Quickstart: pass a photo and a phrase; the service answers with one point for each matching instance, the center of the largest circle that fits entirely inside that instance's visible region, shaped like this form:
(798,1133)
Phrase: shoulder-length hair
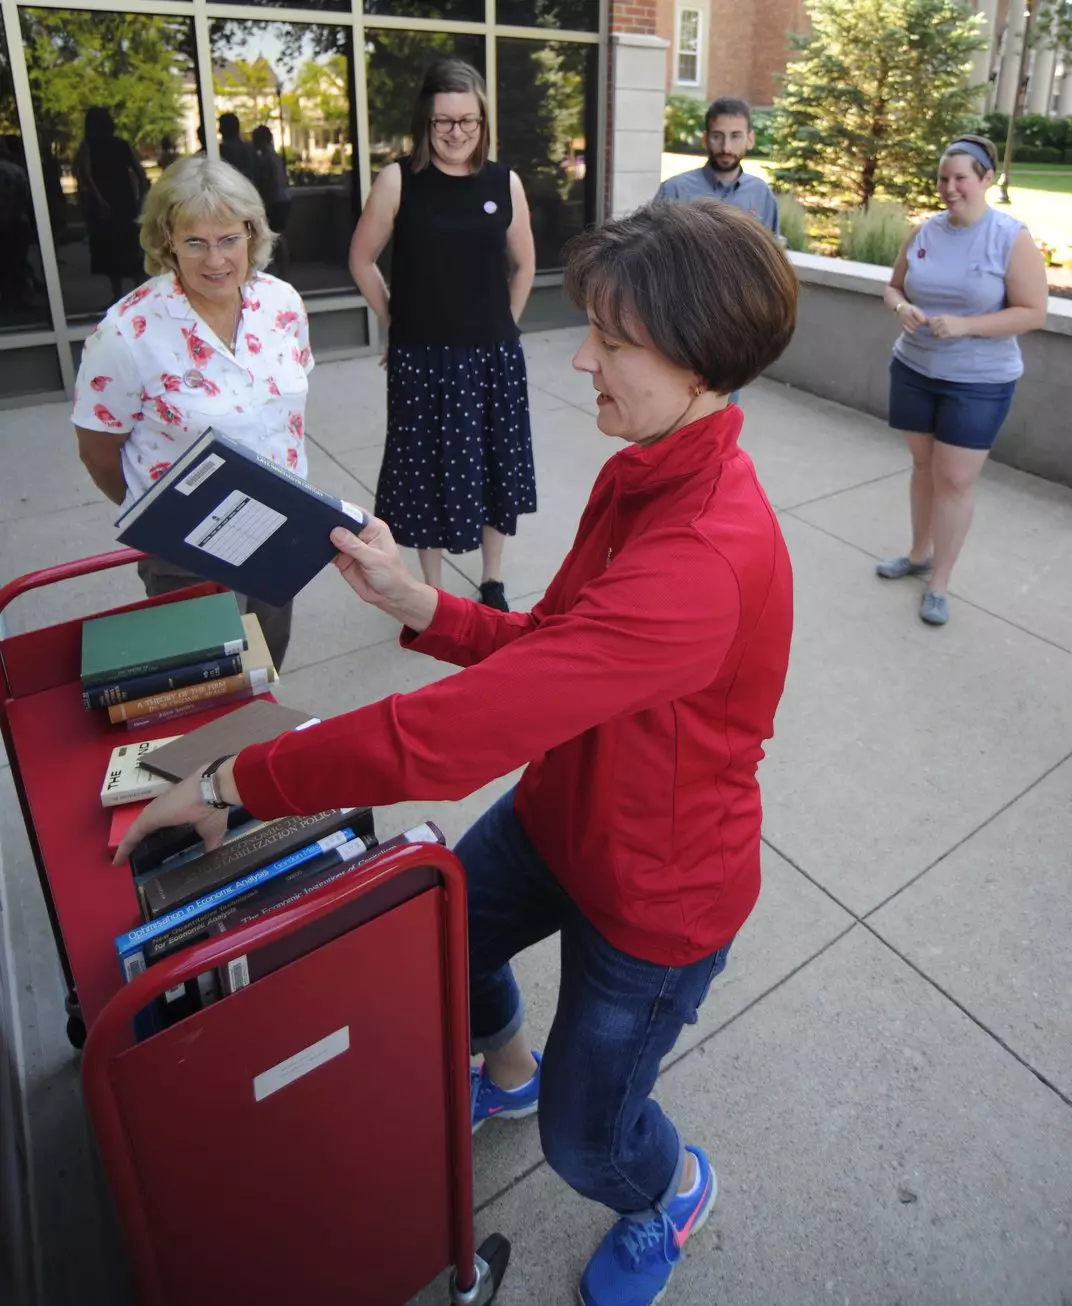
(702,282)
(196,187)
(448,77)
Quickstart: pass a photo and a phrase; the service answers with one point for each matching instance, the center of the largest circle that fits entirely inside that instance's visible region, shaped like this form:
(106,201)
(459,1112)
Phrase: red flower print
(135,297)
(103,415)
(198,350)
(301,356)
(296,426)
(252,304)
(167,412)
(210,388)
(284,318)
(138,323)
(252,343)
(176,287)
(292,459)
(157,470)
(273,389)
(138,417)
(99,382)
(171,381)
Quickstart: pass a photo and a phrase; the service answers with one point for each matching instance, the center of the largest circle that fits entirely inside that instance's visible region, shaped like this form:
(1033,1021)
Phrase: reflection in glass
(560,15)
(115,97)
(23,301)
(396,64)
(284,95)
(547,115)
(469,11)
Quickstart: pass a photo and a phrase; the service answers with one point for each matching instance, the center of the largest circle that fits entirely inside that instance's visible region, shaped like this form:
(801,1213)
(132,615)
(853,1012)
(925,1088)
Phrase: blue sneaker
(490,1101)
(633,1264)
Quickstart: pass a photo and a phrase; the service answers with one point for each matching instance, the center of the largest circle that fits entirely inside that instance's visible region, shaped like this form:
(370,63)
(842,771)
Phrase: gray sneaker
(934,609)
(898,568)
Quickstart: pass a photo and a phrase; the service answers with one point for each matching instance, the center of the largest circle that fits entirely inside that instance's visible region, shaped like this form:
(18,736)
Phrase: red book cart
(306,1139)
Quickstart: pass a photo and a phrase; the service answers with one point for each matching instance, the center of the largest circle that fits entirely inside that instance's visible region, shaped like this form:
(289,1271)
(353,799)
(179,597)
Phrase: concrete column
(1064,100)
(638,98)
(984,60)
(1040,89)
(1010,57)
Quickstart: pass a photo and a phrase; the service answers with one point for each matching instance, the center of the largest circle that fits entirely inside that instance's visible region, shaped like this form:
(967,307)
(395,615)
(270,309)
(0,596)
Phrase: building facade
(334,81)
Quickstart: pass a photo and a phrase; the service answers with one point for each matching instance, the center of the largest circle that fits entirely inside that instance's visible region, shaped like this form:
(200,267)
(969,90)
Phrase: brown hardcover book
(254,724)
(256,676)
(168,888)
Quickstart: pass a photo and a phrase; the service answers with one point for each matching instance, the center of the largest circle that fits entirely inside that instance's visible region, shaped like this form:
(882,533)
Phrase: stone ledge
(641,39)
(870,279)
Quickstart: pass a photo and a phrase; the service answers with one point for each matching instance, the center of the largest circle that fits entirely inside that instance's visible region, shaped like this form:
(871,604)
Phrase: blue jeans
(617,1017)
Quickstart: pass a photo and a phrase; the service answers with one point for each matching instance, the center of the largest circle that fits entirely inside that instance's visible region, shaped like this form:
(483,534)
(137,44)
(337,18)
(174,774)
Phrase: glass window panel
(291,87)
(560,15)
(113,94)
(459,11)
(688,47)
(325,6)
(395,66)
(23,300)
(547,116)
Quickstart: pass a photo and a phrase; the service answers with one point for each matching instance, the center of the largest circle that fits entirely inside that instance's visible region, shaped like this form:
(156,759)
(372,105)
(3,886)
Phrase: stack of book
(158,663)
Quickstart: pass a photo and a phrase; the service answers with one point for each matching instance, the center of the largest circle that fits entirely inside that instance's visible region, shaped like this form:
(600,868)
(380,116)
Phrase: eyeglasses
(468,125)
(196,248)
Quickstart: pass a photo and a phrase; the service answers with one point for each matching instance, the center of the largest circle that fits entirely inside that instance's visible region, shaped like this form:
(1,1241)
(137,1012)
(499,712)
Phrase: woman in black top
(457,468)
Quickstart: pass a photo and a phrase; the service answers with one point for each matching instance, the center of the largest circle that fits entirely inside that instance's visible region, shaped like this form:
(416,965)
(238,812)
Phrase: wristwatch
(210,790)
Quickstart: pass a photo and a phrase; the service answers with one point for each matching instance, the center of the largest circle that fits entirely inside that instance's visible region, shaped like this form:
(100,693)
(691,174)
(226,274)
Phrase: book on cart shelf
(159,682)
(181,843)
(146,641)
(169,888)
(231,515)
(255,723)
(122,819)
(126,780)
(257,676)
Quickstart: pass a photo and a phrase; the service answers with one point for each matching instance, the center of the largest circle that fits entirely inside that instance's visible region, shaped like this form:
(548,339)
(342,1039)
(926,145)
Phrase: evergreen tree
(878,88)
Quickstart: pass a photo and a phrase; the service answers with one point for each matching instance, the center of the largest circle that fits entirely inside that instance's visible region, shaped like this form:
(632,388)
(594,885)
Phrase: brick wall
(633,16)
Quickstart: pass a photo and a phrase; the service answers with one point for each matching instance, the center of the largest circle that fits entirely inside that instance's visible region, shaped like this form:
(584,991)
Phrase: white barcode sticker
(352,848)
(237,973)
(421,834)
(301,1063)
(200,473)
(330,841)
(172,995)
(133,965)
(236,528)
(258,679)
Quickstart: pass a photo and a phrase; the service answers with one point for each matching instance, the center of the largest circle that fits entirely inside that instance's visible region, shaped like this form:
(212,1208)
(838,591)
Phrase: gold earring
(697,390)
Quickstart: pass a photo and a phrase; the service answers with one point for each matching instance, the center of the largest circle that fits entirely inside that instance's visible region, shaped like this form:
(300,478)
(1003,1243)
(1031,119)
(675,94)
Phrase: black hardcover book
(162,845)
(231,515)
(126,691)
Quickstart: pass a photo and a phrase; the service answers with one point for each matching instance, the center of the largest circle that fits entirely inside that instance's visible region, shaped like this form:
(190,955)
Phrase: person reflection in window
(233,149)
(111,187)
(270,178)
(16,230)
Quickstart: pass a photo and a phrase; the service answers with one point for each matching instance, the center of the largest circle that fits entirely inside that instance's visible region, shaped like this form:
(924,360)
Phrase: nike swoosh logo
(682,1234)
(494,1110)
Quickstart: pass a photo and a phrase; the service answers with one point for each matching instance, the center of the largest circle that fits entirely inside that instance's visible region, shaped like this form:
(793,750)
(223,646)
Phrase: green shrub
(1036,154)
(684,124)
(762,124)
(996,126)
(875,234)
(1033,131)
(792,219)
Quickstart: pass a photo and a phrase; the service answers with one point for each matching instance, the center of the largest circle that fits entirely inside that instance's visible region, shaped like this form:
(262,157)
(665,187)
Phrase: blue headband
(975,151)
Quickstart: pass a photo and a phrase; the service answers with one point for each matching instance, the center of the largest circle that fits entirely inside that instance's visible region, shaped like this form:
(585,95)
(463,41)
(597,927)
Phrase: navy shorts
(965,413)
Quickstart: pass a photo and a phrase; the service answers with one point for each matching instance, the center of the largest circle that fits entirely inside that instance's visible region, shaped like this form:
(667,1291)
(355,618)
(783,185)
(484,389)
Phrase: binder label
(301,1063)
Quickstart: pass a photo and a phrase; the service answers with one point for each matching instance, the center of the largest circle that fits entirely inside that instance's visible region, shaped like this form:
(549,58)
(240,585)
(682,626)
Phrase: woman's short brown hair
(708,284)
(448,77)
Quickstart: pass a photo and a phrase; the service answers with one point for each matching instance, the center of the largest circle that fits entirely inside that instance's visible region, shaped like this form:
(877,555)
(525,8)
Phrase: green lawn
(1043,176)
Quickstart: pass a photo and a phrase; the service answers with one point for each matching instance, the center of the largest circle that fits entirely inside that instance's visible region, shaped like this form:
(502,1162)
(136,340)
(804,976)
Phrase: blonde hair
(448,77)
(197,187)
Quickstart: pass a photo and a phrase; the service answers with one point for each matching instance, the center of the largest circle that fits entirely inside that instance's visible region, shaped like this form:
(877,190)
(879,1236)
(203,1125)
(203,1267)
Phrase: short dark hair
(229,125)
(728,106)
(707,282)
(448,77)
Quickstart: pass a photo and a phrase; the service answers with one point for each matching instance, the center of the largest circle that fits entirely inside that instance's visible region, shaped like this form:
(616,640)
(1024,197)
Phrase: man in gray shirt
(728,139)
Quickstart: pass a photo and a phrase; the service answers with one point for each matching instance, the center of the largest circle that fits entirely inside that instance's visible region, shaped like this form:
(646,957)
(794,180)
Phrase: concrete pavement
(883,1075)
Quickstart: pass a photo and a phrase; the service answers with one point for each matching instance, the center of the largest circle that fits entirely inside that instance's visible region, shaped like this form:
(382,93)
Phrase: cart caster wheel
(76,1032)
(492,1258)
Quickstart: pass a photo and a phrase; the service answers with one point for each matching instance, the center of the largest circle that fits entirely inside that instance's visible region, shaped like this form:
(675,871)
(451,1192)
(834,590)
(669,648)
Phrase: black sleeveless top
(448,263)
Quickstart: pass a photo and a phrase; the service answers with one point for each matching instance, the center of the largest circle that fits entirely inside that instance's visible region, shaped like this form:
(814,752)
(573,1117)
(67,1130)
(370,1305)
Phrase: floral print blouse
(155,371)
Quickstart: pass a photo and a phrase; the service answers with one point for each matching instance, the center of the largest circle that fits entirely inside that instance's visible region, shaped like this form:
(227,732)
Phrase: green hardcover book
(154,639)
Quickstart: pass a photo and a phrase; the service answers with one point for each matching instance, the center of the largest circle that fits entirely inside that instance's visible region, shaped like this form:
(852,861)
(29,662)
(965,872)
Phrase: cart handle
(110,1034)
(66,571)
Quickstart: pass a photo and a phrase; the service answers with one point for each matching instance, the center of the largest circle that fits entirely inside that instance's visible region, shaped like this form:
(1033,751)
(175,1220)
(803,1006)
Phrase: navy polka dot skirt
(459,446)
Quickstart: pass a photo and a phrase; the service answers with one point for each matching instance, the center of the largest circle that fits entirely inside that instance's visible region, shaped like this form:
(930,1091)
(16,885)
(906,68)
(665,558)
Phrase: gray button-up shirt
(748,192)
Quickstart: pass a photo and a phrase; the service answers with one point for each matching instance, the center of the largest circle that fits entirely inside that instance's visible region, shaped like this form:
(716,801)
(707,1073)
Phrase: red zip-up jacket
(639,691)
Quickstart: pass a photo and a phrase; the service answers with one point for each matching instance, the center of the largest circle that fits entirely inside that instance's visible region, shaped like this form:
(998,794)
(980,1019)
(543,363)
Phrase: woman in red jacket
(639,691)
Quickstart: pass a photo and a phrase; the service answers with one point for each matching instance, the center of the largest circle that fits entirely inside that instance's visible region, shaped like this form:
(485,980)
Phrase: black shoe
(492,595)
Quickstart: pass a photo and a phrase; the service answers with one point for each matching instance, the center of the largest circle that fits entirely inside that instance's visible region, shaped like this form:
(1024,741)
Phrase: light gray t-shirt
(961,271)
(748,192)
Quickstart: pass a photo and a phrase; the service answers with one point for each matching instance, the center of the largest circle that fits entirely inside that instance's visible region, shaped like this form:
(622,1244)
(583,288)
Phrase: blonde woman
(210,340)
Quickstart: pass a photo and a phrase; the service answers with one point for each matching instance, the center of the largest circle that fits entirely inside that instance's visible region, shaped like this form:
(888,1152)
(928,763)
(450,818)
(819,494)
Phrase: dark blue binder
(230,515)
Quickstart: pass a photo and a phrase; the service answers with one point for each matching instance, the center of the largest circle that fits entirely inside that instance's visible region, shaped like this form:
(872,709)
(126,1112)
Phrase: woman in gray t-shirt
(966,283)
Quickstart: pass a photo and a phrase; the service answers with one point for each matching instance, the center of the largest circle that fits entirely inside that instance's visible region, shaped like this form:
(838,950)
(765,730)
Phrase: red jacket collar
(702,444)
